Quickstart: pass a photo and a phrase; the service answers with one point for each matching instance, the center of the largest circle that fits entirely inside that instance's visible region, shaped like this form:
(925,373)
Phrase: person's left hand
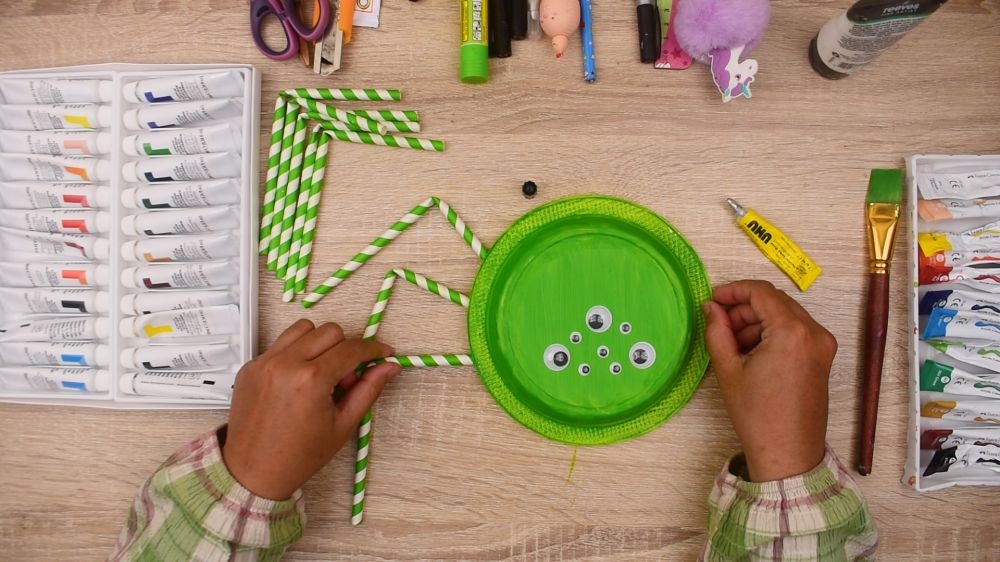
(284,424)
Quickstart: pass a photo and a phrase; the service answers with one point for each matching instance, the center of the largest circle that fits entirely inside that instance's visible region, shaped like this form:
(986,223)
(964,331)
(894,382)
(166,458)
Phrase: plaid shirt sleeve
(192,508)
(816,516)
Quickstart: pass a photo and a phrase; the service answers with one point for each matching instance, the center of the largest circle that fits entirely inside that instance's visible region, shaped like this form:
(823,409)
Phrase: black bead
(529,189)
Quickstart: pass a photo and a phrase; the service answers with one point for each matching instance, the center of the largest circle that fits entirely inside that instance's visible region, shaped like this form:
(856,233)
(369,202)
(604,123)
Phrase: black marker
(649,30)
(519,19)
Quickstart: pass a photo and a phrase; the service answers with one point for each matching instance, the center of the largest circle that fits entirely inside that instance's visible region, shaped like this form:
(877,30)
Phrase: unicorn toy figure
(732,76)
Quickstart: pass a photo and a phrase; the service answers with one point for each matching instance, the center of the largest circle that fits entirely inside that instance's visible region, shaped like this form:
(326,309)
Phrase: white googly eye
(598,319)
(575,337)
(616,368)
(642,355)
(625,328)
(603,351)
(584,370)
(556,357)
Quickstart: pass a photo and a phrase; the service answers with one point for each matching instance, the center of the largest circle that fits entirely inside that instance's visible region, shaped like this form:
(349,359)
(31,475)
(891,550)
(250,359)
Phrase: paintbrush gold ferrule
(882,221)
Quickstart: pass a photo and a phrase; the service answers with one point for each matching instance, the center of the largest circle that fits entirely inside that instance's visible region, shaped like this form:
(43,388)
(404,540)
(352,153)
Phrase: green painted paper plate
(585,320)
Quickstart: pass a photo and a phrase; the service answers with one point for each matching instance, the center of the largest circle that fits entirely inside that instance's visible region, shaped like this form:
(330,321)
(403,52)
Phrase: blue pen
(588,41)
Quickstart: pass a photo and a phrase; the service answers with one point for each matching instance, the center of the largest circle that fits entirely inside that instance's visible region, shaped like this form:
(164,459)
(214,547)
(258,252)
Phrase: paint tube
(53,275)
(56,143)
(183,168)
(183,114)
(181,249)
(56,329)
(66,221)
(227,84)
(65,353)
(945,324)
(938,377)
(984,272)
(947,209)
(60,246)
(53,301)
(181,221)
(54,379)
(53,195)
(964,456)
(168,384)
(180,195)
(42,167)
(55,116)
(985,237)
(965,301)
(181,276)
(177,357)
(147,303)
(224,137)
(982,411)
(969,185)
(193,322)
(955,258)
(945,438)
(978,354)
(58,90)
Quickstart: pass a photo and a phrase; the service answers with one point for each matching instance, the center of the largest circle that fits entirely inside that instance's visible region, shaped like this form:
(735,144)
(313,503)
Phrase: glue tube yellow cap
(474,63)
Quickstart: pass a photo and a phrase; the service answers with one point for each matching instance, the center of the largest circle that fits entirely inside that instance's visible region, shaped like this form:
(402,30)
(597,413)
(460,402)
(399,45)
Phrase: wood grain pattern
(452,476)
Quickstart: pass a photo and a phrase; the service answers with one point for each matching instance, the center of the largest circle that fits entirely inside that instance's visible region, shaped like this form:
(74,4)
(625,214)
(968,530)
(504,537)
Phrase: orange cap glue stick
(777,247)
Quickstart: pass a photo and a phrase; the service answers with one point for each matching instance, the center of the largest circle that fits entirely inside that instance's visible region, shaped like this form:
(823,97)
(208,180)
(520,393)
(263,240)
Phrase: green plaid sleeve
(816,516)
(193,509)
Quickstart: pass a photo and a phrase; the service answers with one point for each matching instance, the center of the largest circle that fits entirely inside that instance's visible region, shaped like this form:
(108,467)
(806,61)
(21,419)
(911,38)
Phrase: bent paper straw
(271,181)
(396,141)
(288,292)
(312,211)
(386,115)
(345,94)
(390,126)
(284,207)
(337,114)
(401,127)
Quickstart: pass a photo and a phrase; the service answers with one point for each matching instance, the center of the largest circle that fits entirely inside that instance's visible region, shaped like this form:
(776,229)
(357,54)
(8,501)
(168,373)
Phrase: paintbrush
(885,194)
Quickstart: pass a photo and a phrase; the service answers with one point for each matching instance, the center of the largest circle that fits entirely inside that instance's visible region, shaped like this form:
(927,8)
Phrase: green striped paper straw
(401,127)
(387,237)
(337,114)
(386,115)
(388,140)
(440,360)
(390,126)
(288,293)
(278,136)
(284,208)
(345,94)
(312,211)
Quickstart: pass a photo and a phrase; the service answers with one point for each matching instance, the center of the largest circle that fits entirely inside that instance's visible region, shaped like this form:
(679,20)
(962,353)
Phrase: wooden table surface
(452,476)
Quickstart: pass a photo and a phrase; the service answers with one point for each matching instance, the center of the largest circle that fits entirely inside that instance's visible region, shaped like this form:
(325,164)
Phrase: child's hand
(284,425)
(773,364)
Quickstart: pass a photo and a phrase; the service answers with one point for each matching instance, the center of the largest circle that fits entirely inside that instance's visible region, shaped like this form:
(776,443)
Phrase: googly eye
(642,355)
(575,337)
(625,328)
(603,351)
(584,370)
(616,368)
(598,319)
(556,357)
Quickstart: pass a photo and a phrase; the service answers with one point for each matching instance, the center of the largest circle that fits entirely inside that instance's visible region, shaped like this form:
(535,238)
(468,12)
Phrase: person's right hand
(773,364)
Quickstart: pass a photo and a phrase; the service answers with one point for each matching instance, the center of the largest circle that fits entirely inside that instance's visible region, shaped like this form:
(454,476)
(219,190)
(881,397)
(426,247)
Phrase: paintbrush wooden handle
(876,324)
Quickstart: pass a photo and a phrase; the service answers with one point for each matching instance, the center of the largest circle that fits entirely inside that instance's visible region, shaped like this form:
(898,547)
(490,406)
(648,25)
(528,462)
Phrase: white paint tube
(184,114)
(962,457)
(986,237)
(955,325)
(64,353)
(978,354)
(945,438)
(969,185)
(179,357)
(55,90)
(56,329)
(193,322)
(181,276)
(224,137)
(66,221)
(168,384)
(968,301)
(938,377)
(179,195)
(978,411)
(946,209)
(53,195)
(55,116)
(54,379)
(147,303)
(180,221)
(227,84)
(53,274)
(53,301)
(43,167)
(69,247)
(183,168)
(56,143)
(181,249)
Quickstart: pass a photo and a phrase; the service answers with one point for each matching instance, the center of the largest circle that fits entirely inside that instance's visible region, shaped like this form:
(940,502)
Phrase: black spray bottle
(868,28)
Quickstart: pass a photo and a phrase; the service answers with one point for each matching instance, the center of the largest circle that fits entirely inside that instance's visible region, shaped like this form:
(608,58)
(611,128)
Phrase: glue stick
(777,247)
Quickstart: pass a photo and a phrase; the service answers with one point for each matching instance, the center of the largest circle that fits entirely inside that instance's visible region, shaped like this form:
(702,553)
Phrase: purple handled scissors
(289,18)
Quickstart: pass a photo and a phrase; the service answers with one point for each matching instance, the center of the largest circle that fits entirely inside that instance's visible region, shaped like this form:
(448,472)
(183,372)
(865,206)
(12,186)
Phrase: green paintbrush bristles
(885,186)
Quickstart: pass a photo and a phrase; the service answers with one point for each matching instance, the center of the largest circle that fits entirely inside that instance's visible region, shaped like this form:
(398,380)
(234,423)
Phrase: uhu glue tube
(777,247)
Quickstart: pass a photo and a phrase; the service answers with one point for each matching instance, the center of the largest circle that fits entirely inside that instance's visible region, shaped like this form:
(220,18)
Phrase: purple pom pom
(703,25)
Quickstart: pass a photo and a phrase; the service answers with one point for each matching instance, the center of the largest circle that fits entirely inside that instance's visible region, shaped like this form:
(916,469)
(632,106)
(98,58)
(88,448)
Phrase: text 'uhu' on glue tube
(777,247)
